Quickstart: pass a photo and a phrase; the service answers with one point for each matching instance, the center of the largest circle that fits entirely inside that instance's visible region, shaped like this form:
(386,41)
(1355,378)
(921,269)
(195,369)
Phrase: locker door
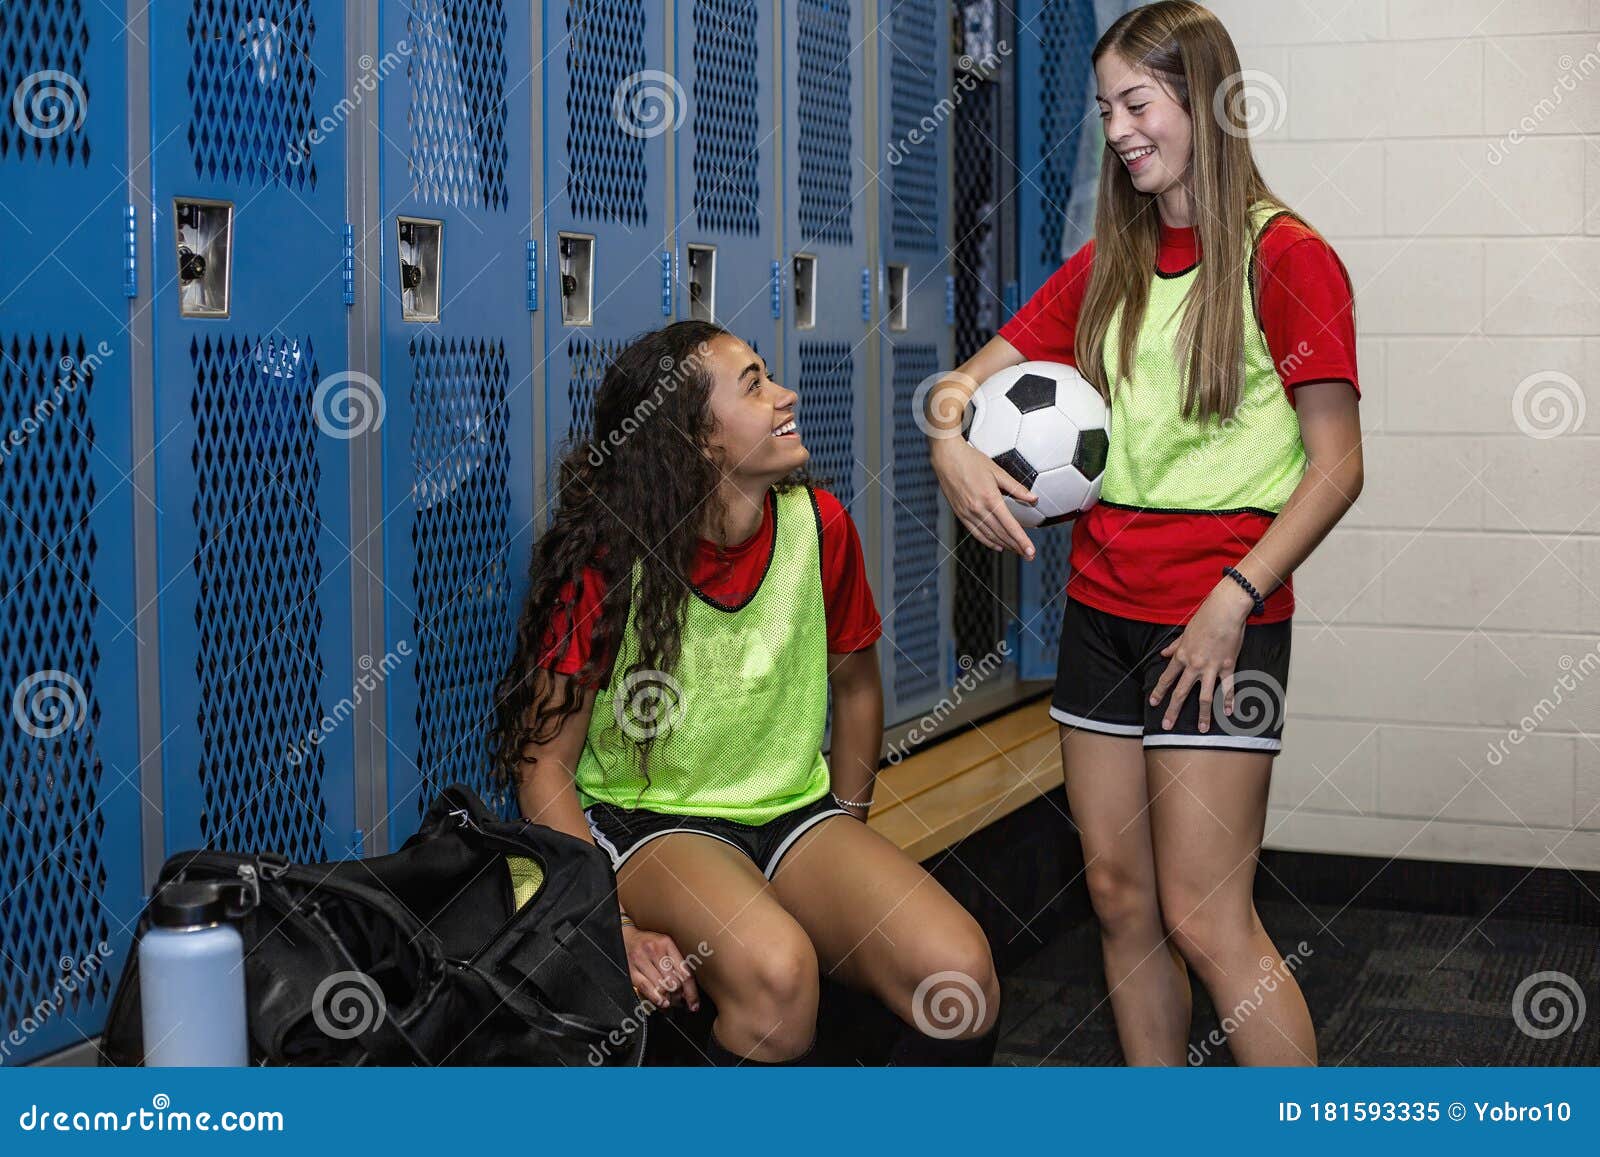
(254,405)
(1054,80)
(826,282)
(608,216)
(457,357)
(69,758)
(915,321)
(726,170)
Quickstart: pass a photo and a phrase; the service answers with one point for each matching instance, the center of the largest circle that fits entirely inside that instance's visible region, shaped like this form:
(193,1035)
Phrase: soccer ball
(1047,427)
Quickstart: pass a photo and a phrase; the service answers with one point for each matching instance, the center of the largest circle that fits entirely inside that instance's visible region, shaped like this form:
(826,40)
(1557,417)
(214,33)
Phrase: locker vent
(457,70)
(727,121)
(42,71)
(463,620)
(252,89)
(824,116)
(828,397)
(258,571)
(52,778)
(605,47)
(915,90)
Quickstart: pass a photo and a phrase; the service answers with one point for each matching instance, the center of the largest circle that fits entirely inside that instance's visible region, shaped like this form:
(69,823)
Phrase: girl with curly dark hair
(694,602)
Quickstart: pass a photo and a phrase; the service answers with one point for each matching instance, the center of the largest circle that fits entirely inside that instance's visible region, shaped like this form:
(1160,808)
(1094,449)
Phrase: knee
(775,992)
(1206,930)
(1123,901)
(954,988)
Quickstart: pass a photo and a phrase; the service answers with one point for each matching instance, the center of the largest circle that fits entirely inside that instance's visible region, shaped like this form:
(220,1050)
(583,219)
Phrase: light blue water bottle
(191,980)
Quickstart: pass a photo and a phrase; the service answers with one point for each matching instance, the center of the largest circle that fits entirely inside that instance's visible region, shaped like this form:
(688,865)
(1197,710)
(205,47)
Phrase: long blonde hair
(1187,49)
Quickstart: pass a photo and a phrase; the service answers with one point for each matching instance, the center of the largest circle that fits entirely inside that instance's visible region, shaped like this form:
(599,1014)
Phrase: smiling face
(756,439)
(1144,123)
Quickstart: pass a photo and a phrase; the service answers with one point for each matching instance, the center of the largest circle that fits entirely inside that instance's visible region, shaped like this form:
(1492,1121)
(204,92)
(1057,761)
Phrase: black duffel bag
(423,956)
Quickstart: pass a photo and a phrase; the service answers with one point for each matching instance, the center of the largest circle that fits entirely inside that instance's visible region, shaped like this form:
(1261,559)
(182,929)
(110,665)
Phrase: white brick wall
(1464,588)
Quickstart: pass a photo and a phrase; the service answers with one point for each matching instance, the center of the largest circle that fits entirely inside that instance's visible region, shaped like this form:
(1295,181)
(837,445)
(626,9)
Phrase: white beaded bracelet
(850,802)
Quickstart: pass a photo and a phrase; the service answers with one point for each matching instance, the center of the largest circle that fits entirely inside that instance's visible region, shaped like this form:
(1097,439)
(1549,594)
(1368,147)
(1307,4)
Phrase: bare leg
(1150,996)
(881,923)
(758,965)
(1208,813)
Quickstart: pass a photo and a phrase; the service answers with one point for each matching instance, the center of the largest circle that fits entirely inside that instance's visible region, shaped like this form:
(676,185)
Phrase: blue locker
(607,223)
(916,342)
(457,367)
(1053,81)
(254,406)
(69,758)
(828,304)
(727,193)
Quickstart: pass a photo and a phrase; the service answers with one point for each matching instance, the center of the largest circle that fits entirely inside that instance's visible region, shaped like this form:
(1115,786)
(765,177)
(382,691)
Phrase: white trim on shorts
(620,858)
(1237,742)
(772,864)
(1060,716)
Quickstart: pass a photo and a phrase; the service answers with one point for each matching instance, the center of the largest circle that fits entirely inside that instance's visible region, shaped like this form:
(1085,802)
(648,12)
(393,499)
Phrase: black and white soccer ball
(1047,427)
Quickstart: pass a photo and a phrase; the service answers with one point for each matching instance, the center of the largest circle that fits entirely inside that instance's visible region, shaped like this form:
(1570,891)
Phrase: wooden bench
(949,789)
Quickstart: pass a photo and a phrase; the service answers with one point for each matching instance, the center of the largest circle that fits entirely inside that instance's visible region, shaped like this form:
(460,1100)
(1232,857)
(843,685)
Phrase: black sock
(720,1055)
(915,1048)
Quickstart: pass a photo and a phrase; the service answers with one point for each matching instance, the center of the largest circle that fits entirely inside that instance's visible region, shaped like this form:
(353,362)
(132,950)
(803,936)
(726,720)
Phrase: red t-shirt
(852,613)
(1156,566)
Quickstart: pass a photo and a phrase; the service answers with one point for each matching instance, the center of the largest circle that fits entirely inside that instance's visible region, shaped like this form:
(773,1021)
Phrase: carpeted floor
(1385,987)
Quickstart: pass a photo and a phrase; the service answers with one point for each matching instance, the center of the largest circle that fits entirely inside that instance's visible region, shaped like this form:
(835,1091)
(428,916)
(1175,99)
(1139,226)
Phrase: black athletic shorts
(1108,667)
(622,831)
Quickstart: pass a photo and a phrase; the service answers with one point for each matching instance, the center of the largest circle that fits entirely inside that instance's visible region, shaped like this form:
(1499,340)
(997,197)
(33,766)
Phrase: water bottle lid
(186,904)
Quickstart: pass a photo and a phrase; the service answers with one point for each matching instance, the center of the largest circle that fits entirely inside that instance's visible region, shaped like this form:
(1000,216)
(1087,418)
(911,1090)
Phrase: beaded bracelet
(1255,595)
